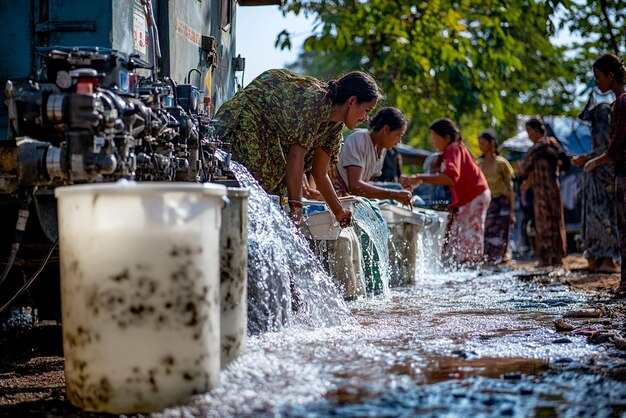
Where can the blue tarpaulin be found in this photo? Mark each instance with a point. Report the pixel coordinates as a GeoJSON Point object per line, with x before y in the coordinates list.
{"type": "Point", "coordinates": [571, 132]}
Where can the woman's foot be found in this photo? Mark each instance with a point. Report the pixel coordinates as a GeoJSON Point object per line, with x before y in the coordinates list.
{"type": "Point", "coordinates": [550, 262]}
{"type": "Point", "coordinates": [592, 264]}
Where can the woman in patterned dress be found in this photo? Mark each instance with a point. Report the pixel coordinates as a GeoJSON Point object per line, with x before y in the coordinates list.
{"type": "Point", "coordinates": [610, 75]}
{"type": "Point", "coordinates": [470, 195]}
{"type": "Point", "coordinates": [282, 125]}
{"type": "Point", "coordinates": [540, 170]}
{"type": "Point", "coordinates": [599, 223]}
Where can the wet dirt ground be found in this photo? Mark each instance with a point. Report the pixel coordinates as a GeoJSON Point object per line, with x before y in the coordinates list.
{"type": "Point", "coordinates": [560, 353]}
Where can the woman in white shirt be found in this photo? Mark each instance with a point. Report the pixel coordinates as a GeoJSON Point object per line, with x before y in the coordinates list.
{"type": "Point", "coordinates": [362, 156]}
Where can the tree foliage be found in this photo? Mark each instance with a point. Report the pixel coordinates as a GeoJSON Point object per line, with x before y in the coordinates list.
{"type": "Point", "coordinates": [597, 26]}
{"type": "Point", "coordinates": [482, 63]}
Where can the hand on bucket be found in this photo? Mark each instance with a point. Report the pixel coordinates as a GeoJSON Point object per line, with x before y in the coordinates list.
{"type": "Point", "coordinates": [344, 218]}
{"type": "Point", "coordinates": [295, 214]}
{"type": "Point", "coordinates": [402, 196]}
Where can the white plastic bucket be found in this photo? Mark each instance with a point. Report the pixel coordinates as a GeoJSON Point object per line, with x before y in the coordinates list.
{"type": "Point", "coordinates": [321, 226]}
{"type": "Point", "coordinates": [139, 293]}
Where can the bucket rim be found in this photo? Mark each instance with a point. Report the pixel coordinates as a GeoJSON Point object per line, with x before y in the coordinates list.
{"type": "Point", "coordinates": [143, 187]}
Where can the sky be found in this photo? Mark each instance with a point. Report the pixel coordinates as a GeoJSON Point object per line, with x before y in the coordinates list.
{"type": "Point", "coordinates": [257, 28]}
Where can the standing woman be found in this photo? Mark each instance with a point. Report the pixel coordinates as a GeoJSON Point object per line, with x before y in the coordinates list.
{"type": "Point", "coordinates": [611, 75]}
{"type": "Point", "coordinates": [501, 212]}
{"type": "Point", "coordinates": [282, 125]}
{"type": "Point", "coordinates": [599, 223]}
{"type": "Point", "coordinates": [470, 194]}
{"type": "Point", "coordinates": [540, 169]}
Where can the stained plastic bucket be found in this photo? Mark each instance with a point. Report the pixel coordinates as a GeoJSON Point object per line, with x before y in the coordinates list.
{"type": "Point", "coordinates": [139, 293]}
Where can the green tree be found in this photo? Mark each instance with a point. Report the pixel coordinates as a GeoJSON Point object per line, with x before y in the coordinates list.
{"type": "Point", "coordinates": [480, 63]}
{"type": "Point", "coordinates": [597, 26]}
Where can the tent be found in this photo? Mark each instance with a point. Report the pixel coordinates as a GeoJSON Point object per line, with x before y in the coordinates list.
{"type": "Point", "coordinates": [573, 134]}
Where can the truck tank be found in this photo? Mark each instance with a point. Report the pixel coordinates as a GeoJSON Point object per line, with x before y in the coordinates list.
{"type": "Point", "coordinates": [96, 92]}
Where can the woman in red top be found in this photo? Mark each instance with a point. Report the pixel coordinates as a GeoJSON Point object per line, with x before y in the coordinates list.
{"type": "Point", "coordinates": [610, 75]}
{"type": "Point", "coordinates": [470, 194]}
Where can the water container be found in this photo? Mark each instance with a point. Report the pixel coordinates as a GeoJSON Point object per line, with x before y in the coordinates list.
{"type": "Point", "coordinates": [318, 223]}
{"type": "Point", "coordinates": [321, 226]}
{"type": "Point", "coordinates": [139, 293]}
{"type": "Point", "coordinates": [343, 260]}
{"type": "Point", "coordinates": [234, 274]}
{"type": "Point", "coordinates": [404, 226]}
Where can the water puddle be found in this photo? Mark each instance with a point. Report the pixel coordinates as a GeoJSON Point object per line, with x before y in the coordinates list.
{"type": "Point", "coordinates": [448, 368]}
{"type": "Point", "coordinates": [456, 344]}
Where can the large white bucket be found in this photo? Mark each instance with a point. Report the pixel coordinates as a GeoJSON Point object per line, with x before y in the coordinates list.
{"type": "Point", "coordinates": [139, 293]}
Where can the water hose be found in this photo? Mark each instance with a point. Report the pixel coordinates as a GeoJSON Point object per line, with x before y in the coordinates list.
{"type": "Point", "coordinates": [30, 281]}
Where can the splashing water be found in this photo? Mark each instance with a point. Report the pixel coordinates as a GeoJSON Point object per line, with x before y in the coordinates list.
{"type": "Point", "coordinates": [375, 228]}
{"type": "Point", "coordinates": [286, 282]}
{"type": "Point", "coordinates": [430, 238]}
{"type": "Point", "coordinates": [461, 344]}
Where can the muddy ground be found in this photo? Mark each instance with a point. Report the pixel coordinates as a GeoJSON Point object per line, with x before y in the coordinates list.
{"type": "Point", "coordinates": [31, 363]}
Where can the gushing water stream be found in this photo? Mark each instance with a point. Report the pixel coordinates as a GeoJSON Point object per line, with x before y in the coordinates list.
{"type": "Point", "coordinates": [286, 282]}
{"type": "Point", "coordinates": [376, 245]}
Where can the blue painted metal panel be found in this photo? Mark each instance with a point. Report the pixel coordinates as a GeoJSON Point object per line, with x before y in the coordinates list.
{"type": "Point", "coordinates": [16, 46]}
{"type": "Point", "coordinates": [91, 20]}
{"type": "Point", "coordinates": [183, 23]}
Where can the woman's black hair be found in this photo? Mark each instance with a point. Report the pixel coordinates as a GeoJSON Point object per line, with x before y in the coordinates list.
{"type": "Point", "coordinates": [491, 138]}
{"type": "Point", "coordinates": [445, 126]}
{"type": "Point", "coordinates": [537, 125]}
{"type": "Point", "coordinates": [610, 63]}
{"type": "Point", "coordinates": [355, 83]}
{"type": "Point", "coordinates": [389, 116]}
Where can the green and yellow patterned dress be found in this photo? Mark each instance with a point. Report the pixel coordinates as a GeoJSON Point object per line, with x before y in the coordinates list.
{"type": "Point", "coordinates": [276, 110]}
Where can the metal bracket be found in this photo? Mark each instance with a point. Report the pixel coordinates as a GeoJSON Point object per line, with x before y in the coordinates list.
{"type": "Point", "coordinates": [209, 46]}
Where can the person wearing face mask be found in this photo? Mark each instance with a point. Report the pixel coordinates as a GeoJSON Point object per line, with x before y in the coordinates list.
{"type": "Point", "coordinates": [464, 242]}
{"type": "Point", "coordinates": [363, 154]}
{"type": "Point", "coordinates": [282, 125]}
